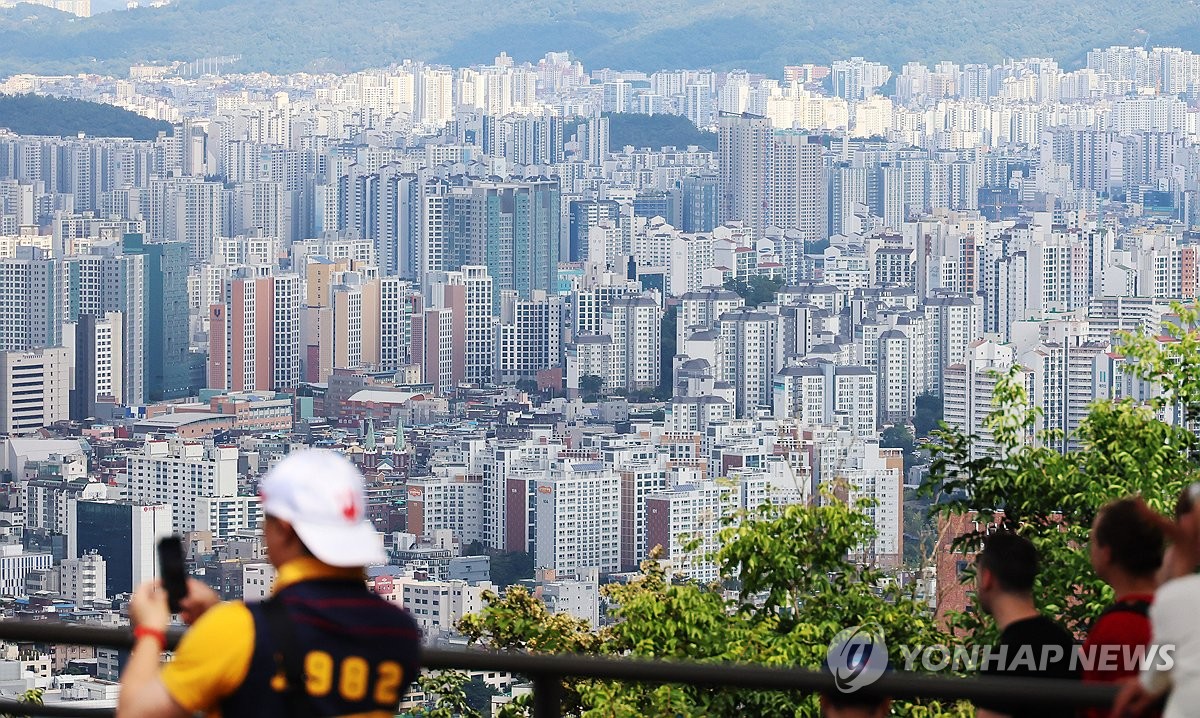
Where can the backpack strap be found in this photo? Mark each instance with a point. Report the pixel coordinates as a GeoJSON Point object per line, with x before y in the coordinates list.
{"type": "Point", "coordinates": [287, 659]}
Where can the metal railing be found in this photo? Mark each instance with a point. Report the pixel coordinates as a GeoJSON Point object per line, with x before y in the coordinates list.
{"type": "Point", "coordinates": [546, 673]}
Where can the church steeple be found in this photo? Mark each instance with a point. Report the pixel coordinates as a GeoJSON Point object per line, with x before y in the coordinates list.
{"type": "Point", "coordinates": [369, 439]}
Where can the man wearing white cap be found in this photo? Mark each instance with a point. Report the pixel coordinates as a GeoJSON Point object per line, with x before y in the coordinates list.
{"type": "Point", "coordinates": [353, 652]}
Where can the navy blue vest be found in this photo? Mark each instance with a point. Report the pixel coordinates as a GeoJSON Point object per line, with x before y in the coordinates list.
{"type": "Point", "coordinates": [359, 652]}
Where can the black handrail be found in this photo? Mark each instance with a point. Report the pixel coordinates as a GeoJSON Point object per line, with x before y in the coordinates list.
{"type": "Point", "coordinates": [547, 671]}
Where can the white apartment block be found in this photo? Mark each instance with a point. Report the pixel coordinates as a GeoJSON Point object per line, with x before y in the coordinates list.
{"type": "Point", "coordinates": [228, 516]}
{"type": "Point", "coordinates": [697, 510]}
{"type": "Point", "coordinates": [634, 325]}
{"type": "Point", "coordinates": [48, 504]}
{"type": "Point", "coordinates": [676, 516]}
{"type": "Point", "coordinates": [449, 500]}
{"type": "Point", "coordinates": [258, 580]}
{"type": "Point", "coordinates": [108, 281]}
{"type": "Point", "coordinates": [903, 361]}
{"type": "Point", "coordinates": [877, 475]}
{"type": "Point", "coordinates": [967, 394]}
{"type": "Point", "coordinates": [637, 482]}
{"type": "Point", "coordinates": [825, 394]}
{"type": "Point", "coordinates": [181, 473]}
{"type": "Point", "coordinates": [578, 518]}
{"type": "Point", "coordinates": [687, 414]}
{"type": "Point", "coordinates": [691, 255]}
{"type": "Point", "coordinates": [34, 389]}
{"type": "Point", "coordinates": [527, 336]}
{"type": "Point", "coordinates": [747, 358]}
{"type": "Point", "coordinates": [500, 461]}
{"type": "Point", "coordinates": [702, 308]}
{"type": "Point", "coordinates": [471, 301]}
{"type": "Point", "coordinates": [588, 356]}
{"type": "Point", "coordinates": [397, 301]}
{"type": "Point", "coordinates": [31, 306]}
{"type": "Point", "coordinates": [108, 356]}
{"type": "Point", "coordinates": [437, 606]}
{"type": "Point", "coordinates": [83, 579]}
{"type": "Point", "coordinates": [578, 598]}
{"type": "Point", "coordinates": [15, 564]}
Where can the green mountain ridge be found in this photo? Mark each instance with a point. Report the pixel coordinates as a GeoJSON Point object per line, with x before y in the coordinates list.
{"type": "Point", "coordinates": [60, 117]}
{"type": "Point", "coordinates": [761, 36]}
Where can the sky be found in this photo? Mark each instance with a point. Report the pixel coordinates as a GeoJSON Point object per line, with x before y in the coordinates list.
{"type": "Point", "coordinates": [99, 6]}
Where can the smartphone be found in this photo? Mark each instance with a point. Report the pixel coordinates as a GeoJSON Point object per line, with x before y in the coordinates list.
{"type": "Point", "coordinates": [172, 571]}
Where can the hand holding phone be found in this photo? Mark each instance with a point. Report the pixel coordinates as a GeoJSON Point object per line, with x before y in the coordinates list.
{"type": "Point", "coordinates": [172, 571]}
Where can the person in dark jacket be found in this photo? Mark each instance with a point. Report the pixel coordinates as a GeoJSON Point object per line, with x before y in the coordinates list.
{"type": "Point", "coordinates": [356, 651]}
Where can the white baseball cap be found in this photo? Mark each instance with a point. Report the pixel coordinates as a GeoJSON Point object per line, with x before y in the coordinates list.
{"type": "Point", "coordinates": [320, 493]}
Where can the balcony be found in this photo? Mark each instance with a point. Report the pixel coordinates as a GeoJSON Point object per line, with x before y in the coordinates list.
{"type": "Point", "coordinates": [546, 673]}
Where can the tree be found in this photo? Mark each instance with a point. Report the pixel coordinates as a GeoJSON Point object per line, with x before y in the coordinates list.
{"type": "Point", "coordinates": [478, 695]}
{"type": "Point", "coordinates": [529, 386]}
{"type": "Point", "coordinates": [455, 694]}
{"type": "Point", "coordinates": [591, 384]}
{"type": "Point", "coordinates": [899, 437]}
{"type": "Point", "coordinates": [39, 115]}
{"type": "Point", "coordinates": [1052, 497]}
{"type": "Point", "coordinates": [797, 590]}
{"type": "Point", "coordinates": [815, 246]}
{"type": "Point", "coordinates": [928, 414]}
{"type": "Point", "coordinates": [655, 131]}
{"type": "Point", "coordinates": [668, 331]}
{"type": "Point", "coordinates": [1171, 361]}
{"type": "Point", "coordinates": [32, 696]}
{"type": "Point", "coordinates": [756, 290]}
{"type": "Point", "coordinates": [507, 568]}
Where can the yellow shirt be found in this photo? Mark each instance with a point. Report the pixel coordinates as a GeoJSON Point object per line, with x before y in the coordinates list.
{"type": "Point", "coordinates": [214, 656]}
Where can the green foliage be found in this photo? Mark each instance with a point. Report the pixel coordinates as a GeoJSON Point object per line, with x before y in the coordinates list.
{"type": "Point", "coordinates": [797, 590]}
{"type": "Point", "coordinates": [32, 696]}
{"type": "Point", "coordinates": [509, 567]}
{"type": "Point", "coordinates": [478, 695]}
{"type": "Point", "coordinates": [454, 694]}
{"type": "Point", "coordinates": [815, 246]}
{"type": "Point", "coordinates": [756, 290]}
{"type": "Point", "coordinates": [1052, 497]}
{"type": "Point", "coordinates": [920, 530]}
{"type": "Point", "coordinates": [669, 327]}
{"type": "Point", "coordinates": [928, 415]}
{"type": "Point", "coordinates": [448, 691]}
{"type": "Point", "coordinates": [61, 117]}
{"type": "Point", "coordinates": [796, 585]}
{"type": "Point", "coordinates": [655, 131]}
{"type": "Point", "coordinates": [1172, 364]}
{"type": "Point", "coordinates": [900, 437]}
{"type": "Point", "coordinates": [591, 384]}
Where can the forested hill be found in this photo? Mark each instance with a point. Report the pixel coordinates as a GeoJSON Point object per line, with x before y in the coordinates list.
{"type": "Point", "coordinates": [655, 131]}
{"type": "Point", "coordinates": [759, 35]}
{"type": "Point", "coordinates": [38, 115]}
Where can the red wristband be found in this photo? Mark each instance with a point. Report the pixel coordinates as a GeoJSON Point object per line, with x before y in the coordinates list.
{"type": "Point", "coordinates": [156, 634]}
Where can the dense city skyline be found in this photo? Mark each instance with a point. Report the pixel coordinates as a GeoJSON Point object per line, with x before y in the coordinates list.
{"type": "Point", "coordinates": [554, 355]}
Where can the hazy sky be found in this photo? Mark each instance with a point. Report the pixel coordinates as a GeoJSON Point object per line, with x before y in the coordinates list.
{"type": "Point", "coordinates": [106, 5]}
